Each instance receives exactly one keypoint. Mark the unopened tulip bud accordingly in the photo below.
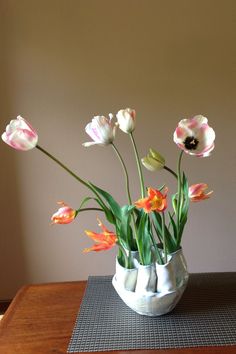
(153, 161)
(126, 120)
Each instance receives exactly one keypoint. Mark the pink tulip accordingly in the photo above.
(197, 192)
(101, 130)
(126, 120)
(195, 136)
(64, 215)
(20, 135)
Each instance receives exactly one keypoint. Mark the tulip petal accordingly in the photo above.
(197, 192)
(91, 143)
(20, 135)
(126, 120)
(195, 136)
(156, 201)
(101, 130)
(64, 215)
(105, 240)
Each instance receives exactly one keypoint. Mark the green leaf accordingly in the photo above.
(109, 215)
(84, 201)
(115, 208)
(123, 225)
(144, 240)
(107, 211)
(173, 224)
(184, 209)
(170, 240)
(186, 197)
(157, 223)
(181, 229)
(120, 216)
(174, 202)
(121, 257)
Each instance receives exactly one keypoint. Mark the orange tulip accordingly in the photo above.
(197, 192)
(64, 215)
(156, 201)
(105, 240)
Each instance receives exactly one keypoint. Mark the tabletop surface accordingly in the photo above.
(41, 318)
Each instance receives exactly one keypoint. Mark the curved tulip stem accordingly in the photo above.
(138, 166)
(130, 201)
(69, 171)
(179, 189)
(88, 209)
(157, 252)
(126, 258)
(125, 173)
(129, 198)
(164, 236)
(171, 171)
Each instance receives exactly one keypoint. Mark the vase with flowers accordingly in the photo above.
(151, 271)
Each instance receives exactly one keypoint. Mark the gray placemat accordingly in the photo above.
(205, 316)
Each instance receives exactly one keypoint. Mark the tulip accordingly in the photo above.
(195, 136)
(197, 192)
(20, 135)
(126, 120)
(101, 130)
(64, 215)
(153, 161)
(105, 240)
(156, 201)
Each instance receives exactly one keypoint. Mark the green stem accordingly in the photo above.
(173, 214)
(125, 173)
(69, 171)
(127, 263)
(129, 199)
(159, 259)
(87, 209)
(138, 166)
(137, 241)
(171, 171)
(164, 236)
(179, 190)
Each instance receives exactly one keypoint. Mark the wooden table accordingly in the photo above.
(41, 318)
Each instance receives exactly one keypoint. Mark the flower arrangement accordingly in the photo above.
(148, 225)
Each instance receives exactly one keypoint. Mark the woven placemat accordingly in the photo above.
(205, 316)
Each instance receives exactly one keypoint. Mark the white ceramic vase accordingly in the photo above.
(155, 289)
(126, 278)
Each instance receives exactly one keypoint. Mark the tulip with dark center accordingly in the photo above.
(195, 136)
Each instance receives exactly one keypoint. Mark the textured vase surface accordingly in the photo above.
(155, 289)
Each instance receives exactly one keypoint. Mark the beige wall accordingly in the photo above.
(63, 62)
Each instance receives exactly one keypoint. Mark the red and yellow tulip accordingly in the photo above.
(156, 201)
(105, 240)
(64, 215)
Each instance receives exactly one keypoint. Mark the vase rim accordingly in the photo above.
(127, 269)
